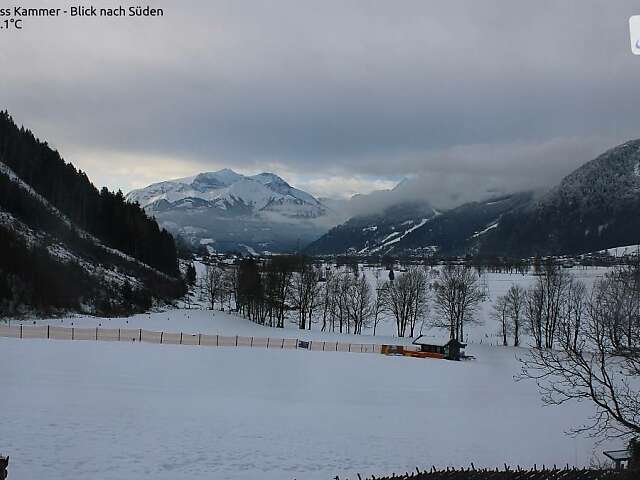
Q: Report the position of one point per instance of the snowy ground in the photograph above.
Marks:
(98, 410)
(94, 410)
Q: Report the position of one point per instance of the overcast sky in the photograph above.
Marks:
(338, 97)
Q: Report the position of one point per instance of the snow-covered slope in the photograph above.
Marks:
(416, 229)
(228, 211)
(227, 190)
(376, 233)
(225, 211)
(8, 219)
(595, 207)
(58, 247)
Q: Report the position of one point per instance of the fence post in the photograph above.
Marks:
(323, 343)
(217, 340)
(48, 334)
(140, 336)
(336, 346)
(282, 346)
(236, 340)
(96, 334)
(20, 330)
(251, 342)
(199, 338)
(161, 335)
(180, 338)
(349, 348)
(267, 342)
(118, 334)
(73, 335)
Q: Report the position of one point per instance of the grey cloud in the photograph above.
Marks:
(462, 96)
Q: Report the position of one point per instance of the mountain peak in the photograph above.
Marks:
(225, 188)
(220, 178)
(225, 206)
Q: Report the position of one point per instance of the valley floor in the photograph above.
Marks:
(80, 410)
(99, 410)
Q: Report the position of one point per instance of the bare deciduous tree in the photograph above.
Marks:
(603, 363)
(572, 311)
(516, 302)
(214, 285)
(457, 297)
(378, 302)
(406, 299)
(360, 303)
(509, 311)
(305, 293)
(501, 314)
(544, 304)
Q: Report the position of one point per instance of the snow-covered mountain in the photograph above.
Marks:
(229, 211)
(418, 229)
(374, 233)
(594, 208)
(229, 191)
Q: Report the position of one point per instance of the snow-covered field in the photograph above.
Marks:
(94, 410)
(98, 410)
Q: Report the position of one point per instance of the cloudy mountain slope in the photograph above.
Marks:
(420, 230)
(230, 211)
(461, 230)
(595, 207)
(374, 233)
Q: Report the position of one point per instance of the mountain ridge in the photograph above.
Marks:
(225, 210)
(225, 188)
(595, 207)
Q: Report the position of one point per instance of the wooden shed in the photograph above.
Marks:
(446, 348)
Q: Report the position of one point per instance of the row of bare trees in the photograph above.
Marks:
(554, 305)
(587, 344)
(344, 300)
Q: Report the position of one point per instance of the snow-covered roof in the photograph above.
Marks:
(435, 338)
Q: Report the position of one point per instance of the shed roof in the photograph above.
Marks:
(438, 340)
(618, 455)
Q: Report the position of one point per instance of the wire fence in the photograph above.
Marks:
(180, 338)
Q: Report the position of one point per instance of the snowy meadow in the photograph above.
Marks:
(78, 410)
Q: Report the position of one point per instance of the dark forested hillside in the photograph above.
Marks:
(371, 233)
(454, 232)
(64, 245)
(594, 208)
(106, 215)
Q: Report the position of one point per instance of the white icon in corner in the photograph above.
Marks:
(634, 31)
